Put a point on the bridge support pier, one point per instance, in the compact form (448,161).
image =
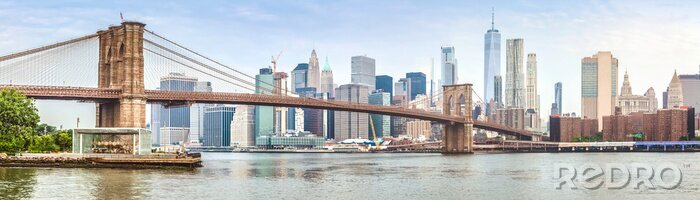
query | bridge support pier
(121,67)
(457,137)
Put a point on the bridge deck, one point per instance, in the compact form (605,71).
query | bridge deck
(175,97)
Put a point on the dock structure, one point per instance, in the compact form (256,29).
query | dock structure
(527,146)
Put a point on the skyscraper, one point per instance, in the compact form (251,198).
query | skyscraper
(328,118)
(554,110)
(691,85)
(515,96)
(167,121)
(418,83)
(498,91)
(177,116)
(351,125)
(382,123)
(533,100)
(197,113)
(492,61)
(598,86)
(217,126)
(313,118)
(264,115)
(664,97)
(300,76)
(363,71)
(314,71)
(557,97)
(280,118)
(327,80)
(675,92)
(386,84)
(402,89)
(243,126)
(449,65)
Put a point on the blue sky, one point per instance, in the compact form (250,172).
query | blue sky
(650,38)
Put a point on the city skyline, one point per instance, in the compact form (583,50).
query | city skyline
(560,47)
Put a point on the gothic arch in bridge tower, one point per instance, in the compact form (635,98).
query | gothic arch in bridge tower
(457,137)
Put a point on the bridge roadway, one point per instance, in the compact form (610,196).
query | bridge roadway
(183,98)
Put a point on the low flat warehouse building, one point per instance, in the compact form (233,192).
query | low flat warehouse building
(303,142)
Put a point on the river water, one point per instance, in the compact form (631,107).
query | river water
(350,176)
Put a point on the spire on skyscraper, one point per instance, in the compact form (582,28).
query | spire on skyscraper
(314,72)
(492,18)
(326,66)
(626,87)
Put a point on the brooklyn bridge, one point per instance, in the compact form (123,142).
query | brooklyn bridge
(116,70)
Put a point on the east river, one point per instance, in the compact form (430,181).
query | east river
(351,176)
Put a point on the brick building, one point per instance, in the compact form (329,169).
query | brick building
(511,117)
(566,128)
(664,125)
(697,123)
(617,127)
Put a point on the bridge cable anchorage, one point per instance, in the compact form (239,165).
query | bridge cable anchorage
(193,68)
(47,47)
(219,63)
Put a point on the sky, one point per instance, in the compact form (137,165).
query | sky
(651,39)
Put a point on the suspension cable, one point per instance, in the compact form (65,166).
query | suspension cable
(219,63)
(202,64)
(47,47)
(178,62)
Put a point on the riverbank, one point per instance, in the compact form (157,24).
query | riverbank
(114,162)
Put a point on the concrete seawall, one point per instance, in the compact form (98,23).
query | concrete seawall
(100,162)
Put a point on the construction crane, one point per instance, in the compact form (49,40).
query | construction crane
(274,62)
(374,134)
(277,91)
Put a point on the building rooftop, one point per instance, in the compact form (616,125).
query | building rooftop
(302,66)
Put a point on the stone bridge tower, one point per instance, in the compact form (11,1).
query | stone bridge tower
(457,101)
(121,67)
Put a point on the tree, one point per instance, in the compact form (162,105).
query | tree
(64,139)
(43,144)
(45,129)
(18,120)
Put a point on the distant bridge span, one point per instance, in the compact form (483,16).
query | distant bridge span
(182,98)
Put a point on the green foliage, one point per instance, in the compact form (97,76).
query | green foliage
(18,120)
(60,140)
(43,144)
(596,138)
(64,139)
(638,136)
(685,138)
(45,128)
